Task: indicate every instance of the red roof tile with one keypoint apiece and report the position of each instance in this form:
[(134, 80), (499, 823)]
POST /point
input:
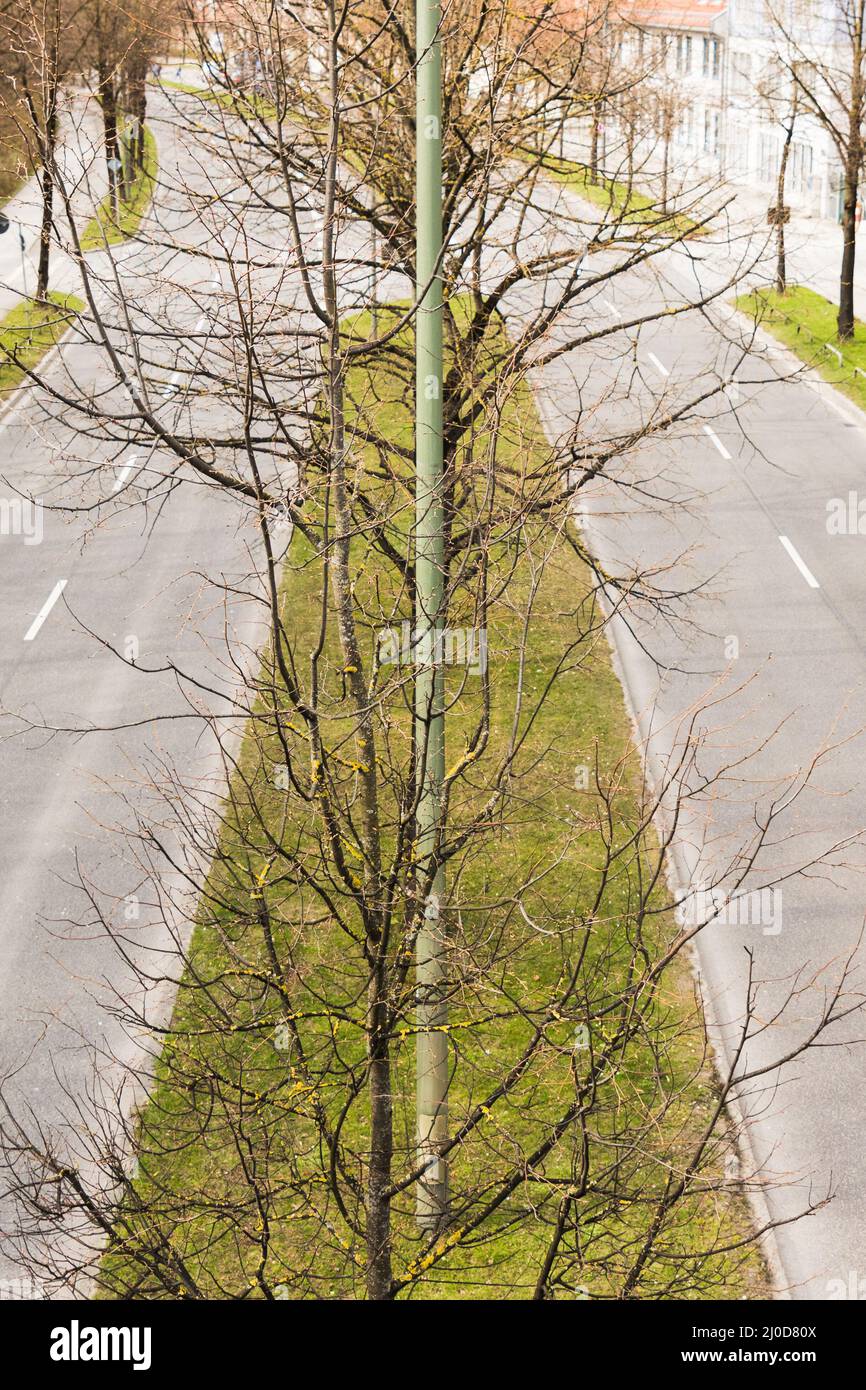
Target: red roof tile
[(673, 14)]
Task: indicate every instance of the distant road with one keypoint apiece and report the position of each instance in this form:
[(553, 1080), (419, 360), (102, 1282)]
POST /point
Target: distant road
[(63, 800), (741, 512)]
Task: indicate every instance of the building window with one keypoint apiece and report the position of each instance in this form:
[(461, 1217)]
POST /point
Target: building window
[(769, 161), (800, 167), (684, 53), (741, 74), (712, 58), (684, 129), (738, 149), (712, 130)]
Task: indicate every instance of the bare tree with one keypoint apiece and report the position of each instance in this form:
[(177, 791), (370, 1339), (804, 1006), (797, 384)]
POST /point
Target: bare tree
[(121, 41), (781, 209), (780, 96), (826, 67), (43, 41), (274, 1149), (13, 148)]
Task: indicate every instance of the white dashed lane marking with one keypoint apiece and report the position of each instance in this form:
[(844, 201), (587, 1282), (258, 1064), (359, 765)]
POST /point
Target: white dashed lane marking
[(46, 608), (124, 474), (800, 563), (711, 434)]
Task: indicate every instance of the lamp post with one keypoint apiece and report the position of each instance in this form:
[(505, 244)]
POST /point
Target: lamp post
[(115, 169)]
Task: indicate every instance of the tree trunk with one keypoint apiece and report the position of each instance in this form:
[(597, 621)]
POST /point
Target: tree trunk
[(48, 150), (108, 105), (593, 148), (630, 139), (379, 1278), (138, 104), (45, 235), (853, 163), (845, 320), (781, 280), (377, 1203), (49, 153)]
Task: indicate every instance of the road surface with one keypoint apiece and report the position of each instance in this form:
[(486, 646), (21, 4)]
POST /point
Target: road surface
[(732, 511), (771, 621)]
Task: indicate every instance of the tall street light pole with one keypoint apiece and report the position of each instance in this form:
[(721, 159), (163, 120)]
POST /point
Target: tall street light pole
[(432, 1009)]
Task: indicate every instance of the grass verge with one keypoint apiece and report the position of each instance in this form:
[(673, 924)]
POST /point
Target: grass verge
[(633, 207), (29, 331), (112, 225), (179, 1156), (245, 103), (806, 323)]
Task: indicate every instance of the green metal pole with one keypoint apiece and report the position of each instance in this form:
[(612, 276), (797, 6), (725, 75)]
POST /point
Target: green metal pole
[(432, 1010)]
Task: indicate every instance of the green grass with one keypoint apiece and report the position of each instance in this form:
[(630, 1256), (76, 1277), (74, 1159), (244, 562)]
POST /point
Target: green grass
[(175, 86), (111, 226), (633, 207), (13, 172), (806, 323), (193, 89), (29, 331), (238, 99), (586, 722)]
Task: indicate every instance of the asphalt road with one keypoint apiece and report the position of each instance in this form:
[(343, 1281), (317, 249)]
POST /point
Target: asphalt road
[(90, 570), (732, 509), (82, 168), (765, 651), (118, 559)]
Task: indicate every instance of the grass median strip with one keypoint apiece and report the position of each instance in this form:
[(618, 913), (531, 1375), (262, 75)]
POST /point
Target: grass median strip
[(806, 323), (29, 331), (243, 101), (624, 202), (188, 1143), (113, 225)]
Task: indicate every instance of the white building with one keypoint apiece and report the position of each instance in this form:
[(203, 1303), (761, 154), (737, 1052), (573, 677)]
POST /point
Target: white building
[(719, 64), (759, 102), (688, 68)]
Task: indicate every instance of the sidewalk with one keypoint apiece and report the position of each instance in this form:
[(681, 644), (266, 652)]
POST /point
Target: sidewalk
[(82, 165), (813, 245), (813, 248)]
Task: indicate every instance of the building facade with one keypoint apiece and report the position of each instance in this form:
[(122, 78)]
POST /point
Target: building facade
[(721, 67)]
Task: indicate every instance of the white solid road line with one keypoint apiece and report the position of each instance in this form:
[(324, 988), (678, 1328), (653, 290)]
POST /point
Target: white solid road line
[(711, 434), (611, 308), (657, 364), (801, 565), (124, 473), (45, 610)]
